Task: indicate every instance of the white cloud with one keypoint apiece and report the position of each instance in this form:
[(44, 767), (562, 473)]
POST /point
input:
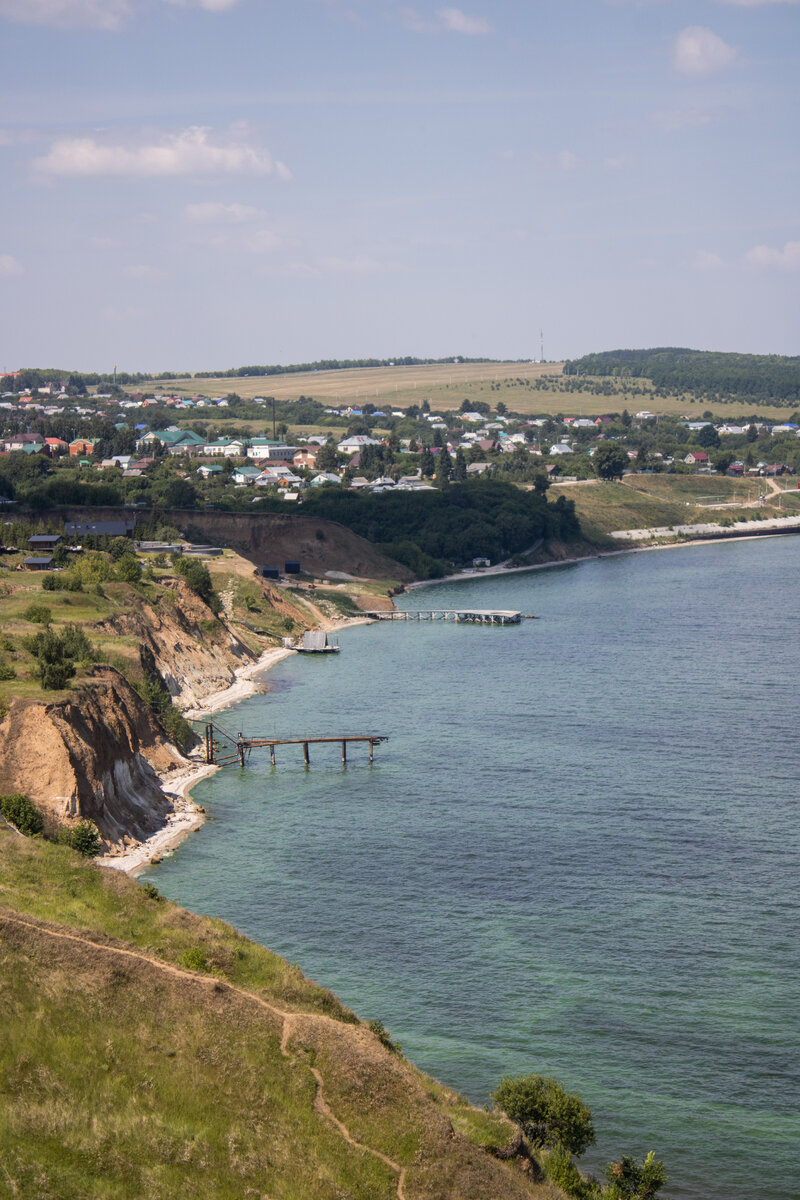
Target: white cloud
[(10, 265), (94, 14), (673, 119), (189, 152), (707, 260), (91, 14), (448, 20), (700, 53), (454, 20), (567, 161), (210, 213), (208, 5), (787, 259)]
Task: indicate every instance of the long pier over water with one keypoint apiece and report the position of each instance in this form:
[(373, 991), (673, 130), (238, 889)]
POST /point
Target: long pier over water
[(223, 749), (472, 616)]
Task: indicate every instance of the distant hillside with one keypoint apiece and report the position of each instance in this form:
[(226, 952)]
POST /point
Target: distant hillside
[(150, 1052), (758, 378)]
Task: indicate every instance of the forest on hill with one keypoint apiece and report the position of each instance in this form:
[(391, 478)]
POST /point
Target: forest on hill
[(707, 374)]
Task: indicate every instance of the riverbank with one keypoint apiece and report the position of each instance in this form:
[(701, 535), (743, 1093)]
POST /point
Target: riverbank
[(187, 817), (739, 532)]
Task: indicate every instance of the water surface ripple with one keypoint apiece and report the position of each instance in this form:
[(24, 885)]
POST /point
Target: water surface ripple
[(576, 855)]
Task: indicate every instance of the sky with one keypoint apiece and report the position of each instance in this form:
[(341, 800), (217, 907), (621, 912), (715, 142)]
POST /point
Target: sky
[(203, 184)]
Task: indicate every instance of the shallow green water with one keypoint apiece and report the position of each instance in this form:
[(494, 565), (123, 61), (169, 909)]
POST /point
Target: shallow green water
[(576, 855)]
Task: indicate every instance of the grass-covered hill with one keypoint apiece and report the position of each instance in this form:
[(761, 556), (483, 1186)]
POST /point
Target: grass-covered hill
[(755, 378), (150, 1052)]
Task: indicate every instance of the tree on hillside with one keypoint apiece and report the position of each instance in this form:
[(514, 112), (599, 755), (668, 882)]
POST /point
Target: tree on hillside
[(610, 460), (444, 464), (460, 469), (547, 1114), (427, 463), (721, 461)]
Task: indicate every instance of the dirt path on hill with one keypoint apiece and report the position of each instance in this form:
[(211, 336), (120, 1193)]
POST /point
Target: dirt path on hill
[(288, 1019)]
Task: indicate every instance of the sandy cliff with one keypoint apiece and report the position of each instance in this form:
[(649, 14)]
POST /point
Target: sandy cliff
[(92, 755), (192, 660)]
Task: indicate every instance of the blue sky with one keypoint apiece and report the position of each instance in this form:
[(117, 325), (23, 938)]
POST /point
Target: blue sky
[(191, 184)]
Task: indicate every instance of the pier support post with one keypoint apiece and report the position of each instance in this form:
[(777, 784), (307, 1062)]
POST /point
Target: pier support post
[(209, 743), (371, 750), (272, 755), (344, 753), (305, 753)]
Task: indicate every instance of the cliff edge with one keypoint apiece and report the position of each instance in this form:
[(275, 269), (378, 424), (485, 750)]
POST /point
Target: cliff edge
[(93, 755)]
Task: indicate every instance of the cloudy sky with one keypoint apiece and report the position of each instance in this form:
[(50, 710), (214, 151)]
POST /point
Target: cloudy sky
[(192, 184)]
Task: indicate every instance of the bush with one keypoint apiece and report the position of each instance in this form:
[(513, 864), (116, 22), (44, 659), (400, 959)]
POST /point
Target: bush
[(83, 837), (151, 891), (628, 1180), (546, 1112), (6, 671), (562, 1170), (194, 959), (39, 614), (22, 813), (128, 569), (382, 1034)]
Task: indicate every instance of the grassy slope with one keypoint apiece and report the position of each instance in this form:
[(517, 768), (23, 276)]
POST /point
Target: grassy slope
[(648, 501), (124, 1075)]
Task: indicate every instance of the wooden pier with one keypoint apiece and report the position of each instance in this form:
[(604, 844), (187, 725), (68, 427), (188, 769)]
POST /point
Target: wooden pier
[(468, 616), (223, 749)]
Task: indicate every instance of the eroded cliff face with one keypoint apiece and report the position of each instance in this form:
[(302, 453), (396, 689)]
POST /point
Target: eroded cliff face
[(94, 755), (193, 659)]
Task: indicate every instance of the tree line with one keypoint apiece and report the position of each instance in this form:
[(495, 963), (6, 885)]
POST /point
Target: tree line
[(759, 378)]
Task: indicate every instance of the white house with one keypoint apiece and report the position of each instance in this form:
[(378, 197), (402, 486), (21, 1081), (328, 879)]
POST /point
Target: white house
[(353, 444)]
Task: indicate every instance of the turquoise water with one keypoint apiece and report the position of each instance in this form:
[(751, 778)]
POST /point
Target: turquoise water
[(577, 854)]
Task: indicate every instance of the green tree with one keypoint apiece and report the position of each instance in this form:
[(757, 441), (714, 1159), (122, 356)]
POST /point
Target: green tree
[(129, 569), (721, 461), (460, 469), (610, 460), (708, 437), (629, 1180), (444, 465), (83, 837), (546, 1112), (427, 463)]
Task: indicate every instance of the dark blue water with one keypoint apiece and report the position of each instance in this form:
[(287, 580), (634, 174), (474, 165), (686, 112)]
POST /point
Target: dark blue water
[(577, 854)]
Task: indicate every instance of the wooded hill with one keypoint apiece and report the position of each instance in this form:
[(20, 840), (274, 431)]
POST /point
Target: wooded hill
[(757, 378)]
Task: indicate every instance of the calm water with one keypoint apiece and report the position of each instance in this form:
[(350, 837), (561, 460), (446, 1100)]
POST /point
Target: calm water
[(577, 854)]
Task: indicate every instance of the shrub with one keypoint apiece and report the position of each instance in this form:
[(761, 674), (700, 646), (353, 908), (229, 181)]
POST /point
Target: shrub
[(128, 569), (6, 671), (628, 1180), (151, 891), (83, 837), (194, 959), (22, 812), (546, 1112), (39, 614), (562, 1170), (50, 583), (382, 1034)]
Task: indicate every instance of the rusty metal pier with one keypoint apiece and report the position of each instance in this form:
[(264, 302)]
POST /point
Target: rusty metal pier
[(223, 749)]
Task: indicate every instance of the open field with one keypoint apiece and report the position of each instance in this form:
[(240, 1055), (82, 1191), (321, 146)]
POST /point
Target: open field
[(446, 385)]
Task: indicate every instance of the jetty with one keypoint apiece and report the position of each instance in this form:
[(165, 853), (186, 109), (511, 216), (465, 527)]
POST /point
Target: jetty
[(467, 616), (224, 749)]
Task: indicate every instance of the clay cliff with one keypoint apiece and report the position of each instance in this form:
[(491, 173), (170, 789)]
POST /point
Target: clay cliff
[(92, 755), (193, 659)]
